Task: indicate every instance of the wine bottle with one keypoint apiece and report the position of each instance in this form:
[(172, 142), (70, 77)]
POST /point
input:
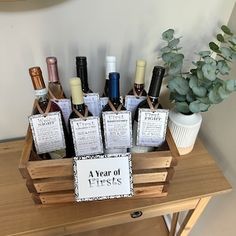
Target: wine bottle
[(54, 87), (79, 108), (44, 105), (138, 89), (114, 104), (110, 67), (153, 100), (81, 67)]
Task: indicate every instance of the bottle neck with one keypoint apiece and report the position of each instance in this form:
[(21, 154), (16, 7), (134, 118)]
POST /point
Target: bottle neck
[(154, 100), (79, 107), (110, 67), (139, 88), (83, 75), (53, 76), (41, 95), (139, 75)]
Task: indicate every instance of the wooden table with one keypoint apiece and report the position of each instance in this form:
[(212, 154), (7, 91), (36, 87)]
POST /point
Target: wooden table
[(196, 180)]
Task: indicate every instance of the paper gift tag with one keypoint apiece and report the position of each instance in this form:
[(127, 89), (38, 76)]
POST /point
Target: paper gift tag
[(65, 105), (93, 103), (131, 102), (87, 136), (47, 132), (152, 127), (117, 128), (102, 177)]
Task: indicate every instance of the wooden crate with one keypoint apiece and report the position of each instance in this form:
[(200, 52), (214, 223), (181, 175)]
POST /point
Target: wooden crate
[(51, 181)]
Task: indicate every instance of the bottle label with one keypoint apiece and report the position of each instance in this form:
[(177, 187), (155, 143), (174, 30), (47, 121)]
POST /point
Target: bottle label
[(41, 92), (117, 128), (47, 132), (87, 136), (132, 102), (65, 105), (93, 103), (152, 126)]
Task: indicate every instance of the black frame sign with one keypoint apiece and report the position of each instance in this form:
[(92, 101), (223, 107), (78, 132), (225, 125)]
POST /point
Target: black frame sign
[(101, 177)]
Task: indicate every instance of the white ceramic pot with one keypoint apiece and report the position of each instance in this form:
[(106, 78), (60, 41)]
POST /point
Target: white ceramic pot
[(184, 130)]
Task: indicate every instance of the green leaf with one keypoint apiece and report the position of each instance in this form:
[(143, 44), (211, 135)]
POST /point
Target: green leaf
[(204, 53), (209, 71), (175, 68), (226, 52), (214, 47), (193, 82), (204, 100), (193, 71), (200, 74), (223, 93), (233, 40), (173, 43), (226, 30), (178, 97), (179, 85), (197, 106), (230, 85), (182, 107), (223, 67), (171, 57), (220, 38), (233, 56), (209, 60), (168, 35), (190, 96), (214, 96), (199, 91), (165, 49)]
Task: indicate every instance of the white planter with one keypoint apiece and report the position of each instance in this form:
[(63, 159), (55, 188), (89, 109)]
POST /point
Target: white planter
[(184, 130)]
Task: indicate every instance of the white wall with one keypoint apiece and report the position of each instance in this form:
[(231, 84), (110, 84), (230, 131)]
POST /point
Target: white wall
[(31, 30)]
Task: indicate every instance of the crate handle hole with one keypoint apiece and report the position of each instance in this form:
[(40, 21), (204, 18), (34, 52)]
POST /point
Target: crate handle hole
[(136, 214)]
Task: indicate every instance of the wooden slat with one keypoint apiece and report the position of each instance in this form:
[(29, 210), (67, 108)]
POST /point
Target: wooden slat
[(171, 144), (149, 191), (150, 177)]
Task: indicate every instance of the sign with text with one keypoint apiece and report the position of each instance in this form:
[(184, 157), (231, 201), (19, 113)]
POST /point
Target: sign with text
[(102, 177), (152, 127), (47, 132), (117, 129), (87, 137)]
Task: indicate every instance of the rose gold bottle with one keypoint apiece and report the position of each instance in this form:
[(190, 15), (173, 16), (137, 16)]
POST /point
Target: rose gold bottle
[(54, 87)]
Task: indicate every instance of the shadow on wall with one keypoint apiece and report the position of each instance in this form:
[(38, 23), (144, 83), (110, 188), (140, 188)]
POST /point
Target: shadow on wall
[(27, 5)]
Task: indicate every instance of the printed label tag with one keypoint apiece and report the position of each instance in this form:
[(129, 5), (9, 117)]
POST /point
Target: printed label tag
[(102, 177), (87, 136), (131, 102), (152, 127), (117, 129), (93, 102), (65, 105), (47, 132)]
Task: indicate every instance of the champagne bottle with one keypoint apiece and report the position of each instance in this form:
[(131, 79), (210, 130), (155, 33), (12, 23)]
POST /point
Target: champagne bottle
[(43, 104), (79, 108), (110, 67), (138, 89), (114, 98), (54, 87), (81, 67), (153, 97)]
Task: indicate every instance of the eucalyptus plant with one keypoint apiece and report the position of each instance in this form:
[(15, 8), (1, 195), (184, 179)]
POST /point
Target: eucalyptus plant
[(195, 91)]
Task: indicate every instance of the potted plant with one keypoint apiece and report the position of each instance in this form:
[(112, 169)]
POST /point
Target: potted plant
[(196, 91)]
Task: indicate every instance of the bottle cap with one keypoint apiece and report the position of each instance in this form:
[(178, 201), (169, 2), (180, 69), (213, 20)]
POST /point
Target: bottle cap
[(114, 86), (52, 69), (141, 63), (110, 59), (140, 71), (157, 77), (37, 78), (51, 60), (76, 91), (81, 61)]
